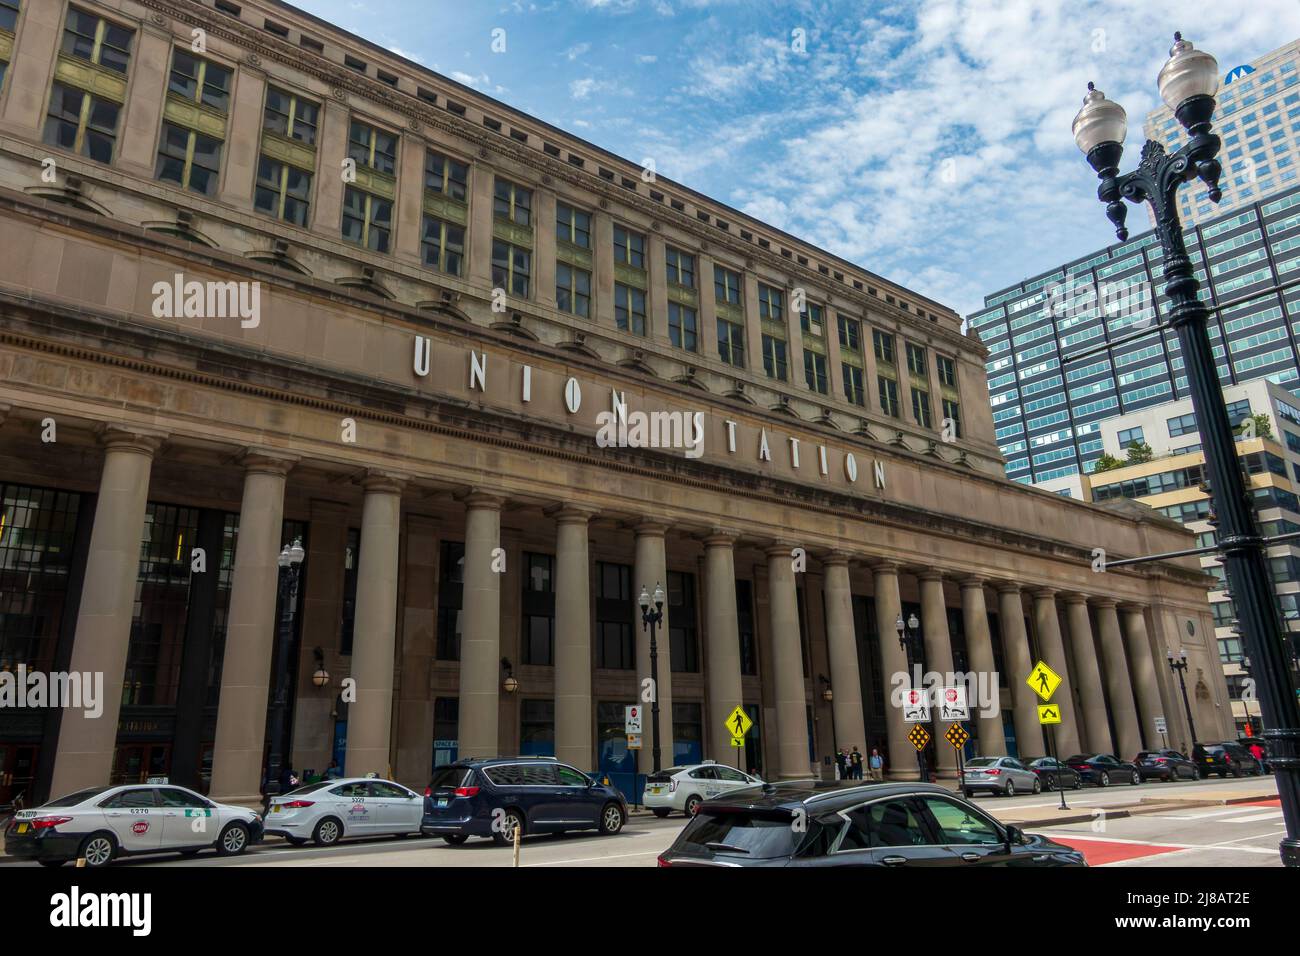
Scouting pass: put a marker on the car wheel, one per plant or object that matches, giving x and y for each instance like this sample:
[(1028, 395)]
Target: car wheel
[(1038, 785), (52, 862), (660, 813), (98, 849), (454, 839), (233, 840), (506, 835), (693, 805), (1050, 782), (611, 819), (969, 793), (1136, 778), (1009, 790), (328, 832), (1078, 782), (1105, 779)]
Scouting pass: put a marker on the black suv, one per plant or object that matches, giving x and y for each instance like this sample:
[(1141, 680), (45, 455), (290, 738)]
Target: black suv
[(835, 823), (1227, 759), (490, 797)]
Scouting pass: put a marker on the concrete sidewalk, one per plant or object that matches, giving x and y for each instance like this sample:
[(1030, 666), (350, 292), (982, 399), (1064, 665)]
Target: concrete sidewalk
[(1263, 788)]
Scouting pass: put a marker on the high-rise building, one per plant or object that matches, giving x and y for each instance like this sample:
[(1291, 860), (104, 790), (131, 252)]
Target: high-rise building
[(1161, 464), (1258, 118), (1048, 413)]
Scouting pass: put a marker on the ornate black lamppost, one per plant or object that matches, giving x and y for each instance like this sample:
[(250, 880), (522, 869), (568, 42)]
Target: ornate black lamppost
[(909, 639), (290, 562), (651, 619), (1188, 82), (1179, 666), (828, 695)]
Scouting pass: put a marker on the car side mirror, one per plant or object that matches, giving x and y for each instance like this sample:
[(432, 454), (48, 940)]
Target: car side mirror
[(1015, 836)]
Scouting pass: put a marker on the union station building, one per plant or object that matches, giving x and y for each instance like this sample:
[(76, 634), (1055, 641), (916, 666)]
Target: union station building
[(264, 282)]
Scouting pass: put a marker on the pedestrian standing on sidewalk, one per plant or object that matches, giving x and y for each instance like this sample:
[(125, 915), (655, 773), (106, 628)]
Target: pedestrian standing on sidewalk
[(855, 763), (876, 763)]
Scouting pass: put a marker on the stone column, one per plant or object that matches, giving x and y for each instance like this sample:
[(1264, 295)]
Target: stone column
[(86, 745), (787, 665), (649, 570), (991, 739), (480, 640), (1087, 676), (374, 629), (573, 709), (1016, 657), (938, 657), (1119, 689), (1146, 686), (842, 648), (251, 630), (1052, 648), (721, 642), (893, 661)]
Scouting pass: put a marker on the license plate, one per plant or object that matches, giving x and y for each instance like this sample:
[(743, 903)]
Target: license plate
[(656, 791), (22, 828), (275, 808), (442, 802)]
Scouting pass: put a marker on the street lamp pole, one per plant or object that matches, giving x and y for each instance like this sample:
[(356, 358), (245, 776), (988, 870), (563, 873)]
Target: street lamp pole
[(1179, 666), (290, 563), (828, 695), (909, 639), (1188, 83), (651, 619)]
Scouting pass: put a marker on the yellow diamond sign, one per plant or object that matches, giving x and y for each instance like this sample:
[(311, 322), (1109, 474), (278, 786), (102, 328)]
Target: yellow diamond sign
[(1043, 680), (738, 724), (918, 737), (1049, 714)]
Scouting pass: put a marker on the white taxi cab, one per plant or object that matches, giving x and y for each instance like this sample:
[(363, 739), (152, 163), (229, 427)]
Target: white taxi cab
[(685, 788)]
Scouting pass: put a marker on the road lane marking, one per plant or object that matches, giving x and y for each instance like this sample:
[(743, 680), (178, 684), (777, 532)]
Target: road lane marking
[(1256, 817)]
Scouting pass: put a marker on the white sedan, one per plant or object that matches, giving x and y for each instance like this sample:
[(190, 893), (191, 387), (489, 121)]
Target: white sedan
[(328, 811), (685, 788), (102, 823)]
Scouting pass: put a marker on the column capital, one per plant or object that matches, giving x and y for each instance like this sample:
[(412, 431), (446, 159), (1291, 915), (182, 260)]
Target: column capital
[(1074, 597), (1003, 586), (929, 574), (779, 547), (719, 537), (566, 513), (267, 461), (836, 558), (481, 499), (1132, 607), (1103, 602), (882, 565), (970, 582), (649, 527), (384, 482), (1042, 593), (145, 441)]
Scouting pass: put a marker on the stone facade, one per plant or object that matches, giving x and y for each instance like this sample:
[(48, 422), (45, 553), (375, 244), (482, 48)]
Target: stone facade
[(433, 439)]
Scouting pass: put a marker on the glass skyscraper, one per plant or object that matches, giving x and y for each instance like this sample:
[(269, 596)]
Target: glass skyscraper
[(1047, 414)]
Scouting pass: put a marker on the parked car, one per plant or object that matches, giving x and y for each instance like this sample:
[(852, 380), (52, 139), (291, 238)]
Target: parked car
[(685, 788), (999, 775), (1227, 759), (1165, 765), (102, 824), (1104, 769), (329, 810), (491, 797), (844, 823), (1050, 770)]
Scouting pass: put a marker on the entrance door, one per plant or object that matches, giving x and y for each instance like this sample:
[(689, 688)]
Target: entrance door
[(136, 763), (17, 768)]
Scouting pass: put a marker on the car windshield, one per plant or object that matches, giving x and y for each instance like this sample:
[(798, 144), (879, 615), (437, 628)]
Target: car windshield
[(81, 796), (982, 762), (748, 834), (312, 787)]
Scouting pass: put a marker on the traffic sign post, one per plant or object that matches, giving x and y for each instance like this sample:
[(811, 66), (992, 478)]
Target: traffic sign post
[(957, 736), (1162, 727), (1049, 715)]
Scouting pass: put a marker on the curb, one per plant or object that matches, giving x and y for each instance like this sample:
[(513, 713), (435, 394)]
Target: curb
[(1143, 806)]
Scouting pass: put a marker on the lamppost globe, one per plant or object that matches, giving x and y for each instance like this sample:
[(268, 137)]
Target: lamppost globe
[(296, 551), (912, 622), (659, 596), (1188, 72), (1100, 121), (644, 600)]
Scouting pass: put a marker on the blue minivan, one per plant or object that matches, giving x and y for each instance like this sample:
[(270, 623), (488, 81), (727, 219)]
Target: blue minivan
[(490, 798)]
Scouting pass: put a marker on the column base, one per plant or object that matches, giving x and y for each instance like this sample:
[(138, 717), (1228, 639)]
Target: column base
[(909, 775), (945, 775)]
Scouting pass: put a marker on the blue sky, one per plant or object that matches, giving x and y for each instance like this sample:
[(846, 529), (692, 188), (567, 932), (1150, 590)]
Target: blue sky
[(928, 141)]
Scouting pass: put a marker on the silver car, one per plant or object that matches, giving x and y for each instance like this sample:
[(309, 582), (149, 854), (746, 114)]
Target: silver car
[(328, 811), (999, 775), (100, 824)]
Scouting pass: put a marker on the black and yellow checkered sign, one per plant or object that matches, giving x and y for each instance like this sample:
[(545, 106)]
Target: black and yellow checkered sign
[(957, 736), (919, 737)]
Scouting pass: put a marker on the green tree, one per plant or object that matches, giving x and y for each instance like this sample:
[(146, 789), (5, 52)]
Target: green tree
[(1260, 423), (1107, 462), (1138, 452)]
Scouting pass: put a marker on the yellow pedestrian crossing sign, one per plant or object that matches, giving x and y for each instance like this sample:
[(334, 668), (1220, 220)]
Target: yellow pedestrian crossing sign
[(737, 741), (738, 724), (1043, 680), (1049, 714)]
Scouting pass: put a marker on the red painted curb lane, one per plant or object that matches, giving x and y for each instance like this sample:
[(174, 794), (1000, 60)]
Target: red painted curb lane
[(1101, 852)]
